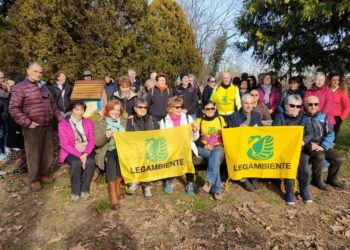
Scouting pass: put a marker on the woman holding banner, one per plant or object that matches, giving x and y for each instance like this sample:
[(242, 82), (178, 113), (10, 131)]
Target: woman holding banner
[(76, 135), (106, 122), (174, 118), (293, 117), (141, 122), (210, 146)]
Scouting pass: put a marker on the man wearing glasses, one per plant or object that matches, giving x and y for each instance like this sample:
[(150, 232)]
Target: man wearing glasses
[(33, 108), (320, 147)]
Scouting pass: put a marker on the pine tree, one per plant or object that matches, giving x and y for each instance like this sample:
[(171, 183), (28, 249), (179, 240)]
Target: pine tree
[(219, 50)]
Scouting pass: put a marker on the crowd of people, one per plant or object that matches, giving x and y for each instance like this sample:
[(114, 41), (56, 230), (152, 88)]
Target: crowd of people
[(28, 106)]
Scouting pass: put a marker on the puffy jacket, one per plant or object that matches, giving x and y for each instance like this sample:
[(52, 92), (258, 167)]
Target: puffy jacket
[(208, 90), (189, 96), (273, 99), (30, 104), (341, 103), (237, 118), (323, 133), (67, 138), (143, 123), (326, 100), (62, 102), (283, 119)]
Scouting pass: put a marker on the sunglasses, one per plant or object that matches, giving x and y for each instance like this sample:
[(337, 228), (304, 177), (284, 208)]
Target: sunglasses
[(295, 106), (142, 107), (313, 104), (209, 109), (213, 81), (178, 107), (254, 95)]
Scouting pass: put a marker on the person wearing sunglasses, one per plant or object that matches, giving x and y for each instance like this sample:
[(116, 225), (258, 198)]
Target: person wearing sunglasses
[(292, 116), (246, 117), (324, 94), (210, 147), (176, 117), (33, 108), (294, 89), (107, 121), (76, 135), (141, 121), (208, 89), (320, 147)]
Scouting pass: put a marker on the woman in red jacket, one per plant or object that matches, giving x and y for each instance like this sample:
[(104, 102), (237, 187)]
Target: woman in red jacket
[(341, 100)]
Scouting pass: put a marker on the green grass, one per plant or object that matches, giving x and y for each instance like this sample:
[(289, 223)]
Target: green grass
[(202, 203), (103, 205), (343, 140)]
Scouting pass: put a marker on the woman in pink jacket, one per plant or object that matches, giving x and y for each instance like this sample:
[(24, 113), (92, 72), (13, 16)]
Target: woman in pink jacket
[(341, 100), (76, 136), (269, 94), (324, 94)]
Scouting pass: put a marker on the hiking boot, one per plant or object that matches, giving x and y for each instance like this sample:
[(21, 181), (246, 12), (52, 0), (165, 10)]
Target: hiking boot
[(74, 198), (120, 193), (168, 186), (148, 193), (46, 180), (248, 186), (218, 196), (189, 188), (207, 186), (321, 185), (35, 186), (132, 188), (84, 196), (336, 184), (112, 193)]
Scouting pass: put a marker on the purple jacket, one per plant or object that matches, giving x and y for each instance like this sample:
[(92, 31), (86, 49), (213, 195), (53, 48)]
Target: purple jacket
[(326, 98), (67, 139), (274, 97), (30, 104)]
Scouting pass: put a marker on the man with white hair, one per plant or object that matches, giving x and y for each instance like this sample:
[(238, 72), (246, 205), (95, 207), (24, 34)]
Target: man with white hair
[(320, 147), (246, 117), (135, 81), (226, 97), (33, 108)]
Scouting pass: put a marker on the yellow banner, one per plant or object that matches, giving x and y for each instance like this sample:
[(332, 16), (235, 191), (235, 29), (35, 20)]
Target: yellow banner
[(155, 154), (263, 152)]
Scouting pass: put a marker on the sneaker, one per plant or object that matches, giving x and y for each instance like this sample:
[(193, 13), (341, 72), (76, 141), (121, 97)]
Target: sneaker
[(290, 199), (46, 180), (35, 186), (255, 184), (132, 188), (148, 193), (4, 157), (248, 186), (197, 160), (8, 152), (189, 188), (74, 198), (218, 196), (84, 196), (18, 171), (207, 186), (305, 196), (168, 186)]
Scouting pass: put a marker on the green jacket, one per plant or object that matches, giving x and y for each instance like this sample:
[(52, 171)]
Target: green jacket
[(101, 141)]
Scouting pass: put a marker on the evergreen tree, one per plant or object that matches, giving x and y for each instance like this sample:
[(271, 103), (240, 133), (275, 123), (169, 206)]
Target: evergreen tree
[(170, 41), (298, 34), (219, 50)]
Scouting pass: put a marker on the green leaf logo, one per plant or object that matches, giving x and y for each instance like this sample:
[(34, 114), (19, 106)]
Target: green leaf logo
[(211, 130), (223, 100), (262, 147), (157, 149)]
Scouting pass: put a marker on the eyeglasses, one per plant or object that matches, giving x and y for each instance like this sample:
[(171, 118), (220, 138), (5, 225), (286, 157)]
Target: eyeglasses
[(254, 95), (209, 109), (178, 107), (295, 106), (142, 107), (213, 81), (313, 104)]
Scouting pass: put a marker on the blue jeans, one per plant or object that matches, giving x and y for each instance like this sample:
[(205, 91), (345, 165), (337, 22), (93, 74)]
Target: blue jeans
[(304, 174), (214, 158)]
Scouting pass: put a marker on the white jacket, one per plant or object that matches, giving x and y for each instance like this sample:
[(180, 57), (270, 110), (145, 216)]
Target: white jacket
[(168, 123)]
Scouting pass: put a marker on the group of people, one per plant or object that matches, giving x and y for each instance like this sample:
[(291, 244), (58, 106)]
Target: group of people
[(88, 143)]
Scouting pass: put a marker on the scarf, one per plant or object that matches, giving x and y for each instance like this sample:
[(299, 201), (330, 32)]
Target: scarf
[(114, 125), (175, 119), (267, 89)]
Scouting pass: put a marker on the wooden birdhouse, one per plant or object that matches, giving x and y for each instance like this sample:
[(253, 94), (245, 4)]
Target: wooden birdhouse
[(92, 92)]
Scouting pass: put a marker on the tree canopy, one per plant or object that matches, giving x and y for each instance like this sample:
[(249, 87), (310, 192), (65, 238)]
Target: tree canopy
[(103, 36), (294, 35)]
